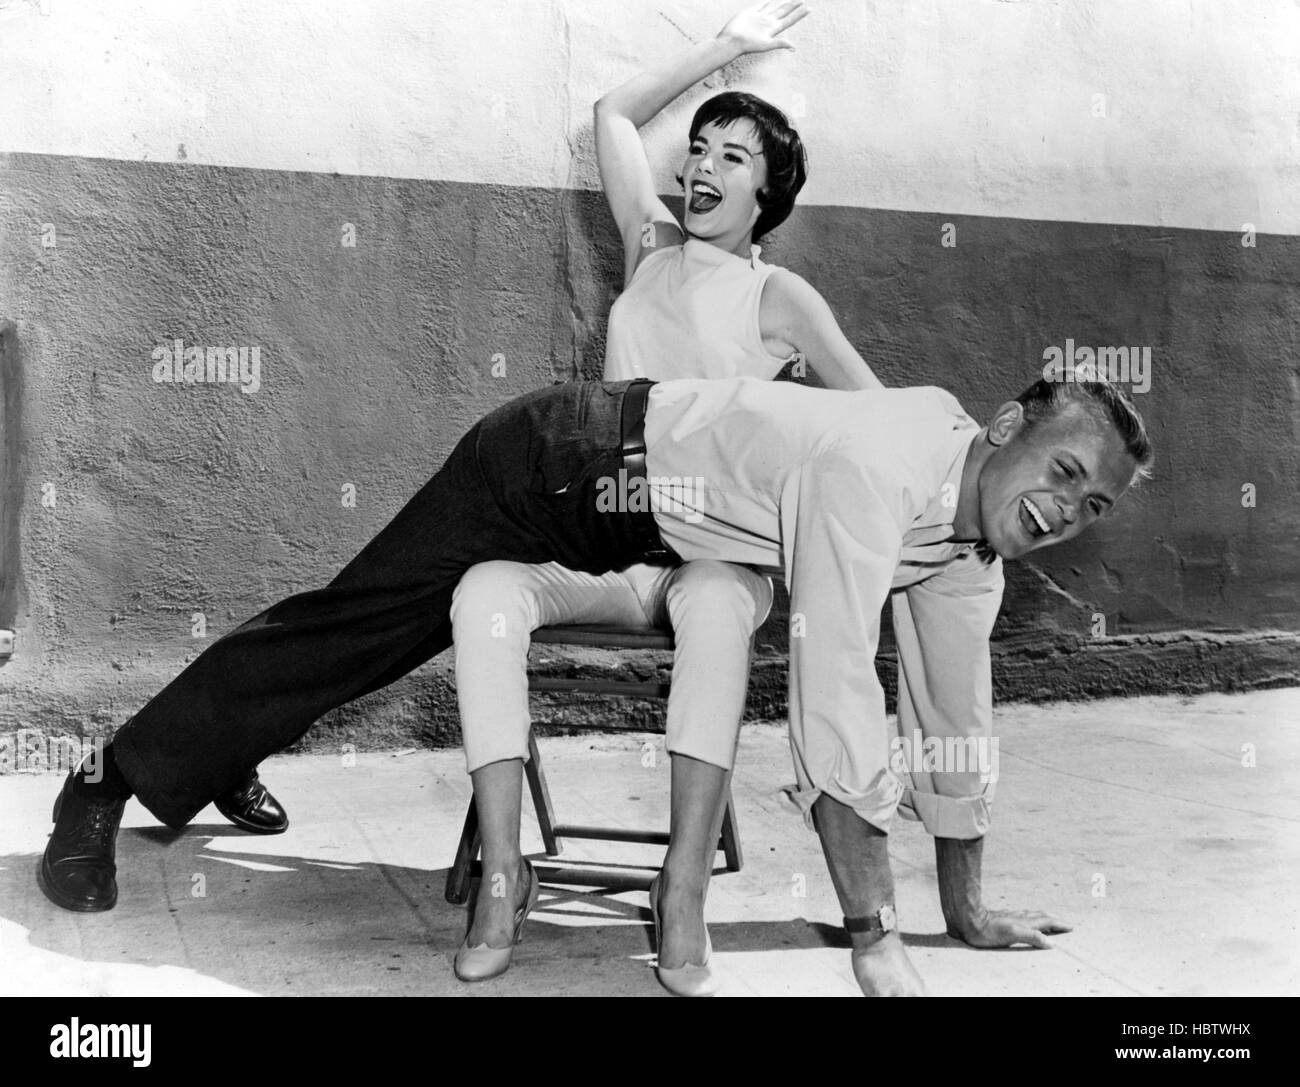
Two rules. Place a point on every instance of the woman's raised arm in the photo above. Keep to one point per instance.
(624, 170)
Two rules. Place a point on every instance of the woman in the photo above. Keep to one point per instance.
(698, 302)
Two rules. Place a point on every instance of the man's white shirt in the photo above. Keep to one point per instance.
(851, 495)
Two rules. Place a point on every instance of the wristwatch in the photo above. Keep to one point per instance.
(884, 921)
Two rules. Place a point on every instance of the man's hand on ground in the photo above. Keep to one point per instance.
(959, 862)
(1006, 928)
(883, 969)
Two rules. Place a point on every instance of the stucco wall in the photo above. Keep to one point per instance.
(189, 171)
(976, 107)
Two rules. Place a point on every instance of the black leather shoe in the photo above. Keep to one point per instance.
(250, 807)
(79, 868)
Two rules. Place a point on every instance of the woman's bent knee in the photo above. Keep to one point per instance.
(719, 591)
(494, 599)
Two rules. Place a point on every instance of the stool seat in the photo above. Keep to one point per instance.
(606, 636)
(599, 636)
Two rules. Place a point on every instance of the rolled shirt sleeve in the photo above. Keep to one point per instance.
(945, 696)
(842, 541)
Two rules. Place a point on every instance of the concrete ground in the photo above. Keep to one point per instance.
(1135, 819)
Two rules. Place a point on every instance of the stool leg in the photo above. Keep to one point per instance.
(541, 798)
(730, 843)
(458, 875)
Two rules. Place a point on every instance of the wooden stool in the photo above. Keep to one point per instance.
(466, 864)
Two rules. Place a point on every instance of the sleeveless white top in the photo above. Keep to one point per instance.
(691, 311)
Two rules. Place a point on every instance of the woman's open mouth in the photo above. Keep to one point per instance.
(704, 197)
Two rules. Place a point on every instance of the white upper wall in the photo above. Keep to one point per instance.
(953, 106)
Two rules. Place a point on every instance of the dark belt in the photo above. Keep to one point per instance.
(635, 402)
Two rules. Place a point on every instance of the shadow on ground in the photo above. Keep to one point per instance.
(269, 923)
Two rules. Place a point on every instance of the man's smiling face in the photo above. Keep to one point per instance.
(1046, 483)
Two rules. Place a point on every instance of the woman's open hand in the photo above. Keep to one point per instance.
(758, 29)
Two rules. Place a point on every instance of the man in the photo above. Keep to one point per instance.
(853, 495)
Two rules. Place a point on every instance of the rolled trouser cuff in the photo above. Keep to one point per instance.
(875, 805)
(947, 816)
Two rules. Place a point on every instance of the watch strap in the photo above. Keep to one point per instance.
(871, 923)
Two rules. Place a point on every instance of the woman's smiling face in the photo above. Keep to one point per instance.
(723, 173)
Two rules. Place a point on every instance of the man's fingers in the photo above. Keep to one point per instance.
(1018, 931)
(1028, 929)
(1010, 927)
(1045, 922)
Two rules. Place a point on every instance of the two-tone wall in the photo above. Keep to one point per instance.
(393, 208)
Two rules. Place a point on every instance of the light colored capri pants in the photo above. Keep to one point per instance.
(713, 608)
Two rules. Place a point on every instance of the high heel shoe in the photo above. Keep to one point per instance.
(688, 979)
(483, 962)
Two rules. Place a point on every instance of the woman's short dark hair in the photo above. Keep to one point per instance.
(787, 166)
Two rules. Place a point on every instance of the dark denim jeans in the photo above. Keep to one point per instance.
(520, 485)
